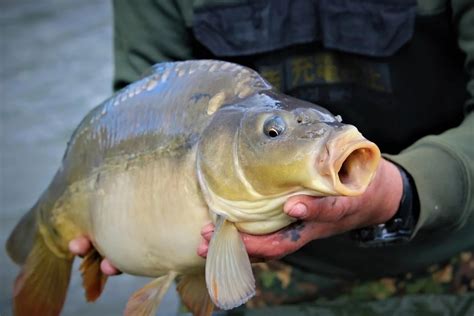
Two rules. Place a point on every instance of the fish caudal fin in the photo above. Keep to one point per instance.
(41, 286)
(93, 279)
(193, 293)
(145, 301)
(20, 242)
(229, 276)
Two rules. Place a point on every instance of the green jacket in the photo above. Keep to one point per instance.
(440, 158)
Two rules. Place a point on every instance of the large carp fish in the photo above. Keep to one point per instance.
(190, 143)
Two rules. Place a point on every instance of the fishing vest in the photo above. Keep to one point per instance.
(394, 73)
(391, 68)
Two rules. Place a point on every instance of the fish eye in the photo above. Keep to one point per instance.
(274, 126)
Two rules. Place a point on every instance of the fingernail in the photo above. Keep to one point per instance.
(299, 210)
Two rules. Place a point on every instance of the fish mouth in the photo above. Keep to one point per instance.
(350, 162)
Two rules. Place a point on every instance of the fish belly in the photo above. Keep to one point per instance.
(147, 220)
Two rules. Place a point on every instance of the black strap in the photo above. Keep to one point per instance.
(401, 226)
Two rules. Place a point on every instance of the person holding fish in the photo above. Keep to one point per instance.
(397, 71)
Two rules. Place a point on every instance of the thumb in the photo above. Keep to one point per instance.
(321, 209)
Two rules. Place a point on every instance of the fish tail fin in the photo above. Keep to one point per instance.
(41, 286)
(21, 240)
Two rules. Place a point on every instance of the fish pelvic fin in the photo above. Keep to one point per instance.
(193, 293)
(93, 279)
(145, 301)
(41, 286)
(229, 276)
(21, 240)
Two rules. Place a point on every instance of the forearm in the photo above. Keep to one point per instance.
(442, 166)
(443, 171)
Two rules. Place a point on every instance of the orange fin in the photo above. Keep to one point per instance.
(145, 301)
(193, 292)
(93, 280)
(41, 286)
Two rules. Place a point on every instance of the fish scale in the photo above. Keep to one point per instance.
(189, 143)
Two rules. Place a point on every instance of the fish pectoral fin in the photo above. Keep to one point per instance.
(193, 293)
(145, 301)
(229, 276)
(93, 280)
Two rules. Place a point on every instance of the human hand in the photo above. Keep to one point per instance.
(322, 217)
(80, 246)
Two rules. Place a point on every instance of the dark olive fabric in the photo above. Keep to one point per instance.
(368, 61)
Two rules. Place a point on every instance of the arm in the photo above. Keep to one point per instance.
(327, 216)
(442, 167)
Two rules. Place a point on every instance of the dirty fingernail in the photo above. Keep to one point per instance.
(299, 210)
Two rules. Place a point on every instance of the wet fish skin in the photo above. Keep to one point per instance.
(190, 143)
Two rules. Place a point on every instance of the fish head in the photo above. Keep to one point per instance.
(300, 146)
(270, 147)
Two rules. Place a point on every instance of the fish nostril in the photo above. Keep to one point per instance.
(302, 118)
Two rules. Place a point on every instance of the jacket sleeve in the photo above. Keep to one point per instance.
(442, 166)
(149, 32)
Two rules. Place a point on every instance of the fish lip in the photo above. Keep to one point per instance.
(352, 162)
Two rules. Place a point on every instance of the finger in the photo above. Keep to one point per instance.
(207, 231)
(348, 223)
(203, 248)
(80, 246)
(325, 209)
(281, 243)
(108, 269)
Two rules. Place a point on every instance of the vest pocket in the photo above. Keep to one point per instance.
(368, 27)
(373, 28)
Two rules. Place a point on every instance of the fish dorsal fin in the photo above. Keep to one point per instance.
(145, 301)
(229, 276)
(93, 280)
(193, 293)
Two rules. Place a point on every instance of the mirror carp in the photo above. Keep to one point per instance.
(190, 143)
